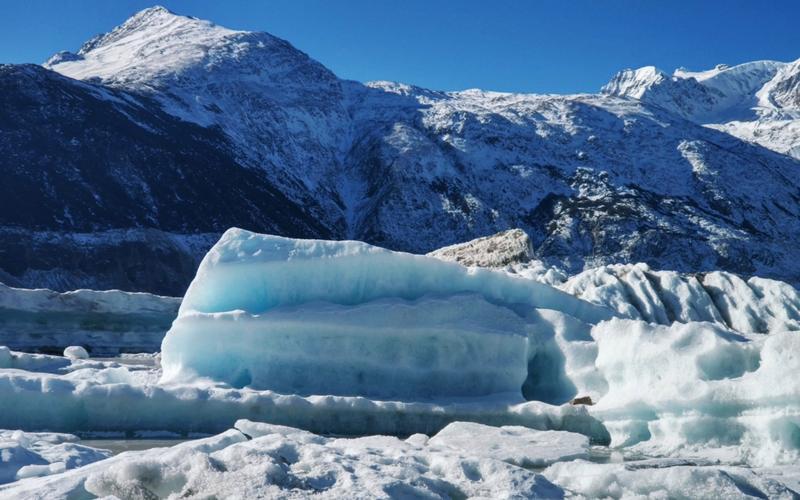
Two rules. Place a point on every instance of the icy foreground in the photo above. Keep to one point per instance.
(257, 460)
(691, 380)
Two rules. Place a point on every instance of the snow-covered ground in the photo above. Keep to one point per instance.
(515, 381)
(34, 454)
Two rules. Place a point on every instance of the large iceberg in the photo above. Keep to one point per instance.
(347, 318)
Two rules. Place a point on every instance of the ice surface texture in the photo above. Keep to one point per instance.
(348, 318)
(258, 460)
(755, 305)
(32, 454)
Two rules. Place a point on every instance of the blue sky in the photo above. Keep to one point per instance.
(534, 46)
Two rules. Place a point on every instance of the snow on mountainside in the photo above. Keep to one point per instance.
(757, 101)
(593, 179)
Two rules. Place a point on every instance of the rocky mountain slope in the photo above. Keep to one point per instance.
(126, 159)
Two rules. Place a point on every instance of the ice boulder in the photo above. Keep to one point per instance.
(76, 352)
(347, 318)
(498, 250)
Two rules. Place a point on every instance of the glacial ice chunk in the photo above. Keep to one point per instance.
(348, 318)
(454, 346)
(689, 388)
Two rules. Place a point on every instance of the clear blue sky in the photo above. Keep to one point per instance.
(532, 46)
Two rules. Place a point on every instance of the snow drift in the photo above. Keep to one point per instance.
(259, 460)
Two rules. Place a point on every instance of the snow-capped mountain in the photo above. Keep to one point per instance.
(154, 138)
(757, 101)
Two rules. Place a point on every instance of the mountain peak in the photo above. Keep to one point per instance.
(145, 22)
(151, 43)
(634, 82)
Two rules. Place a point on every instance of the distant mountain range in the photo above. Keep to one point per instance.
(123, 162)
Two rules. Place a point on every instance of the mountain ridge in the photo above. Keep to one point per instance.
(757, 101)
(593, 178)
